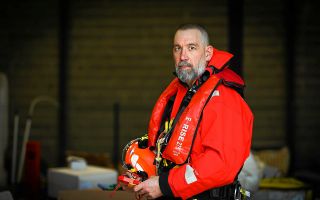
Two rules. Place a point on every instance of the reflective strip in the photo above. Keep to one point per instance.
(134, 160)
(216, 93)
(139, 168)
(189, 175)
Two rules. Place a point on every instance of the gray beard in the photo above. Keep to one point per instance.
(192, 73)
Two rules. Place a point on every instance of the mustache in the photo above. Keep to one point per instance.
(184, 63)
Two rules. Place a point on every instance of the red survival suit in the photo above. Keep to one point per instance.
(222, 138)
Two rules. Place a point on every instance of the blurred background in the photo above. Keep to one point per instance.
(89, 72)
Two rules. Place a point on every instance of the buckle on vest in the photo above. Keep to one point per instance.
(159, 144)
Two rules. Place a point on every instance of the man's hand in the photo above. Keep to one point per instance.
(128, 184)
(148, 189)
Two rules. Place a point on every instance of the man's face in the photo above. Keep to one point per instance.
(190, 55)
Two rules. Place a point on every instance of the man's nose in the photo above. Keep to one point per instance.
(184, 55)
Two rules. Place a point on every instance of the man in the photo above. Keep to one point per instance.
(200, 127)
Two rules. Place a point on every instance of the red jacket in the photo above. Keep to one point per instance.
(221, 145)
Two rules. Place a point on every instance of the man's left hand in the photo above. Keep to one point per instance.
(148, 189)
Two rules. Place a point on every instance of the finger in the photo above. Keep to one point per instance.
(137, 196)
(124, 187)
(128, 188)
(138, 187)
(142, 193)
(129, 174)
(147, 197)
(144, 196)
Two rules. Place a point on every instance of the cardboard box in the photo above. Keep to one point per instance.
(60, 179)
(95, 194)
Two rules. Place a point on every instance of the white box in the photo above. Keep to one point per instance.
(68, 179)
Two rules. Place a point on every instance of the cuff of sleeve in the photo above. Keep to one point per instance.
(164, 185)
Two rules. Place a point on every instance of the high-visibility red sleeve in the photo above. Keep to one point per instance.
(221, 146)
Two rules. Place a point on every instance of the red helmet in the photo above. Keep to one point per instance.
(141, 159)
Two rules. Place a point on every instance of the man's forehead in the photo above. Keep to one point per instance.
(189, 36)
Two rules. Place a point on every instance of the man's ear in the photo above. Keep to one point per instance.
(209, 52)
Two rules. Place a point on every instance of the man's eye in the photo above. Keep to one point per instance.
(192, 48)
(177, 48)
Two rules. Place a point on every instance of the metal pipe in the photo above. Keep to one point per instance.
(27, 129)
(14, 148)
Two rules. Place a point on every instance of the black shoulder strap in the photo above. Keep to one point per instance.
(237, 87)
(166, 113)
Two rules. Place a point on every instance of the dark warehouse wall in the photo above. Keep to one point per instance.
(306, 87)
(29, 57)
(120, 51)
(264, 70)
